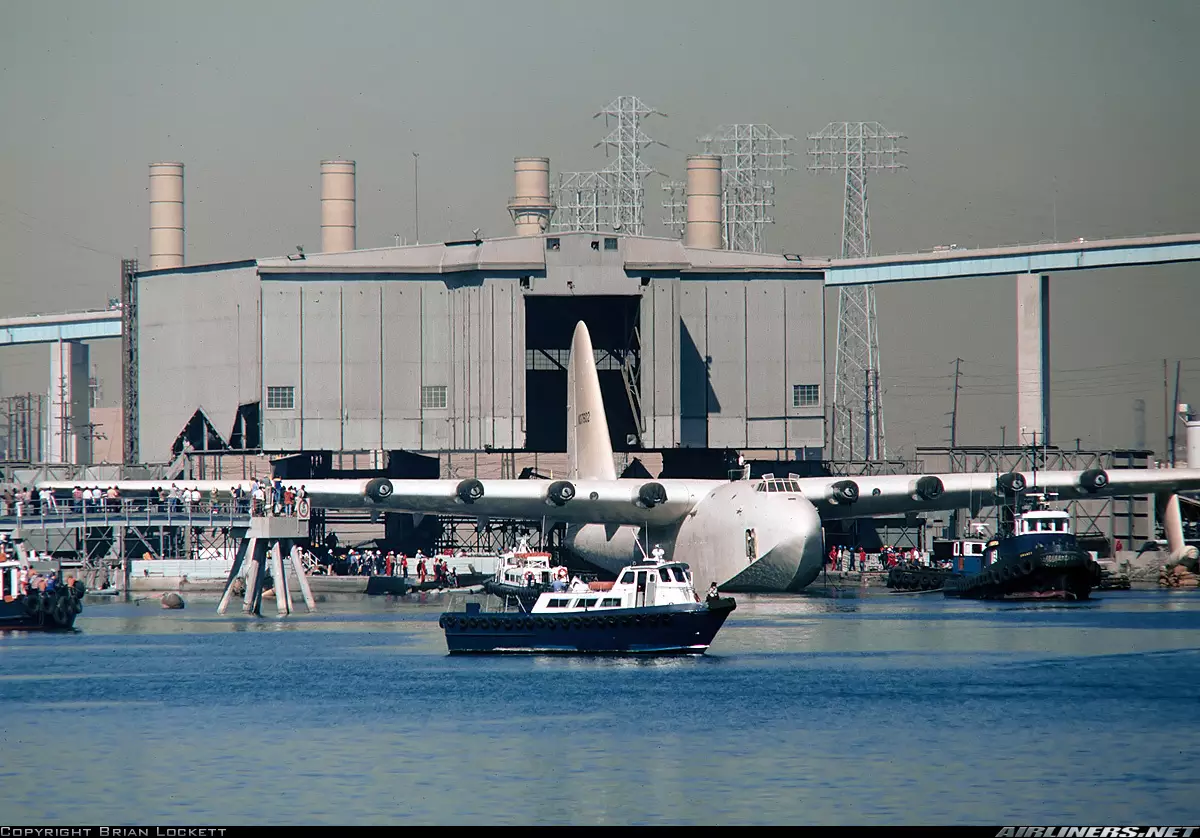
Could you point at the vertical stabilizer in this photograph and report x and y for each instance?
(589, 450)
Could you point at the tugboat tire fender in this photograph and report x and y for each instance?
(666, 618)
(1026, 566)
(61, 614)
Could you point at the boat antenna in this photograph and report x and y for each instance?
(638, 540)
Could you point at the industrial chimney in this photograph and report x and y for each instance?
(530, 207)
(703, 201)
(337, 206)
(166, 215)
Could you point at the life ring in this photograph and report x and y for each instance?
(562, 573)
(303, 509)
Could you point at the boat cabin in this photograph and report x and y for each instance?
(1042, 521)
(642, 585)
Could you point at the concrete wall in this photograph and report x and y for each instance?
(742, 344)
(198, 342)
(359, 351)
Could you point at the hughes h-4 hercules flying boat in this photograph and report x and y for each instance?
(745, 535)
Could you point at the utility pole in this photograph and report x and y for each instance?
(1002, 429)
(1174, 421)
(416, 200)
(954, 409)
(1166, 414)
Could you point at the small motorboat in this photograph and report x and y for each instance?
(651, 608)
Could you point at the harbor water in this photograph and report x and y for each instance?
(864, 708)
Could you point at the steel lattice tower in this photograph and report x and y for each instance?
(748, 150)
(615, 196)
(856, 148)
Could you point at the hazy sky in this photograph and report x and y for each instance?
(1025, 120)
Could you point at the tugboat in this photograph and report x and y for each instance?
(652, 608)
(1040, 559)
(52, 604)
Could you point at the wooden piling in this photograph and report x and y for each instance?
(238, 558)
(298, 564)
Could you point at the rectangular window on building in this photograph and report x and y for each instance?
(610, 244)
(433, 396)
(553, 244)
(806, 395)
(281, 398)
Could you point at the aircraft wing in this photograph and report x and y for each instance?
(655, 502)
(868, 496)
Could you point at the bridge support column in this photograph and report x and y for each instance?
(68, 437)
(1033, 358)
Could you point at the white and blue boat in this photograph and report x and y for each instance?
(651, 608)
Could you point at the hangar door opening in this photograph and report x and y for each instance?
(612, 322)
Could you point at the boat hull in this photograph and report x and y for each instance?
(1064, 573)
(658, 630)
(43, 613)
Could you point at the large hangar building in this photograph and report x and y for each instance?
(462, 346)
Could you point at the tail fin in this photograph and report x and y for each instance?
(589, 450)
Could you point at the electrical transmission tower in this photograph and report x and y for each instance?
(748, 152)
(613, 198)
(676, 206)
(856, 148)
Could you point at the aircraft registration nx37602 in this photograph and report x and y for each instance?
(745, 535)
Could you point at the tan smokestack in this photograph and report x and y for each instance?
(337, 206)
(530, 208)
(166, 215)
(703, 201)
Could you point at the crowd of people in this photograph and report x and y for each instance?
(842, 558)
(263, 498)
(375, 562)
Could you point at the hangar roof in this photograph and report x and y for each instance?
(516, 253)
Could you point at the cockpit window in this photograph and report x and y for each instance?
(627, 579)
(665, 574)
(678, 574)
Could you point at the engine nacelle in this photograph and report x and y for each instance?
(651, 495)
(469, 490)
(1011, 484)
(560, 492)
(1093, 480)
(379, 489)
(928, 488)
(844, 491)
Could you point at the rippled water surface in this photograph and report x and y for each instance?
(894, 709)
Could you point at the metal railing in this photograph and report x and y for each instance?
(127, 512)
